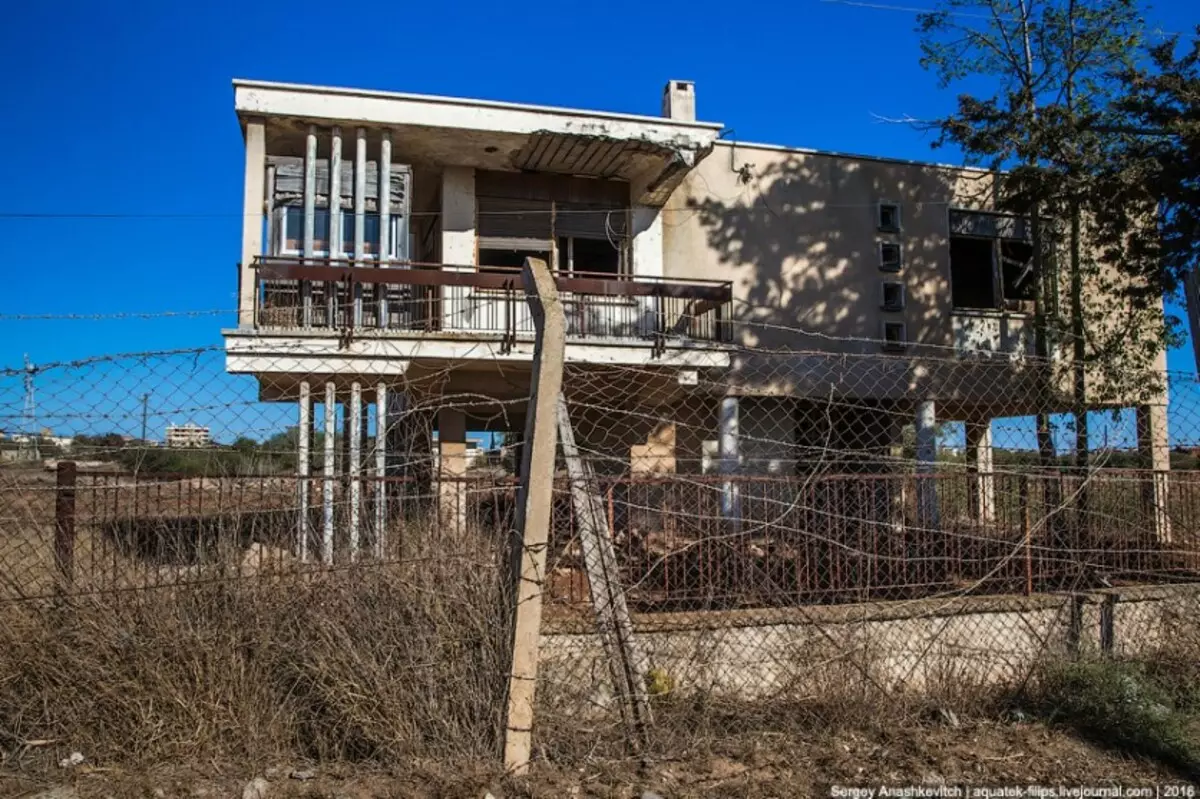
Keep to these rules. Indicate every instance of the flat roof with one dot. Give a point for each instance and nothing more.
(434, 99)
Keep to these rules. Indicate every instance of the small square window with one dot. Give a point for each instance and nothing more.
(891, 296)
(889, 217)
(889, 256)
(895, 337)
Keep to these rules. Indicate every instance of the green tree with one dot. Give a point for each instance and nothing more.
(1044, 113)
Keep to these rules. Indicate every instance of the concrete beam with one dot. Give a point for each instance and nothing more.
(452, 468)
(1154, 446)
(253, 195)
(310, 218)
(928, 516)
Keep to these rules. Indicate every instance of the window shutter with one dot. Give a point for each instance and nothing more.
(513, 218)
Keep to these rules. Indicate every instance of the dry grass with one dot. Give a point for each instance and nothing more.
(378, 663)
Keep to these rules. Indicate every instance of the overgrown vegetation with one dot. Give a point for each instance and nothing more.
(378, 664)
(1145, 708)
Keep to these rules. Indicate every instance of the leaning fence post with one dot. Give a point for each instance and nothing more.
(64, 525)
(534, 498)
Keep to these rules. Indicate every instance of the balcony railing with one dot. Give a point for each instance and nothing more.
(338, 295)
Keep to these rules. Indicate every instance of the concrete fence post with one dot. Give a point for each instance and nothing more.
(534, 500)
(64, 525)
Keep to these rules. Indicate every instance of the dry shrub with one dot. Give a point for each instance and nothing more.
(378, 662)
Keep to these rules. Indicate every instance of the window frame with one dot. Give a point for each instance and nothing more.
(897, 345)
(883, 265)
(883, 292)
(898, 223)
(395, 221)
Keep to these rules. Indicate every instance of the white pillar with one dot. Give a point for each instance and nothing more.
(328, 473)
(380, 470)
(1155, 449)
(728, 447)
(354, 410)
(383, 193)
(252, 211)
(310, 218)
(980, 465)
(926, 439)
(303, 461)
(360, 213)
(458, 240)
(647, 253)
(452, 468)
(335, 223)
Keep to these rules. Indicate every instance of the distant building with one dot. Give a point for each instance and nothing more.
(187, 435)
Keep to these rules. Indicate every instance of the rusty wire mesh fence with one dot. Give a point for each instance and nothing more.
(785, 526)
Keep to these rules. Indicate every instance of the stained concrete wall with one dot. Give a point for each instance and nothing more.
(917, 646)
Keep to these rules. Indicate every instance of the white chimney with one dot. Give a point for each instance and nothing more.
(679, 100)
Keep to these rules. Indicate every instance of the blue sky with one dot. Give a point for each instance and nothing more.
(126, 109)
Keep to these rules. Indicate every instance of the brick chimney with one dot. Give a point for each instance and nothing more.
(679, 100)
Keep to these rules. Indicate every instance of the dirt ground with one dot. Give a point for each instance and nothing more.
(970, 753)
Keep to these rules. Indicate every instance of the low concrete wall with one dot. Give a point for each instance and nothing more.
(918, 646)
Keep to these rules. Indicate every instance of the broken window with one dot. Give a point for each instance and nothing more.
(895, 336)
(588, 256)
(889, 217)
(972, 273)
(1016, 271)
(498, 258)
(291, 220)
(892, 298)
(889, 256)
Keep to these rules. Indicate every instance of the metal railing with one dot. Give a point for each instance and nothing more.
(341, 295)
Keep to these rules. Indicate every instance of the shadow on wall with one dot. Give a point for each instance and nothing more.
(813, 261)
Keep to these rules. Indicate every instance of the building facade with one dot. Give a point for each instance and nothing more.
(743, 284)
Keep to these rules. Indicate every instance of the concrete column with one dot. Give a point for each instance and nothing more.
(360, 214)
(354, 413)
(303, 462)
(252, 211)
(1155, 450)
(979, 464)
(926, 435)
(384, 195)
(452, 467)
(332, 298)
(647, 254)
(381, 406)
(310, 220)
(458, 240)
(328, 473)
(728, 446)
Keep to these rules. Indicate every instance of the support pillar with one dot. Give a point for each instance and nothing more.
(303, 463)
(452, 467)
(310, 221)
(981, 468)
(458, 240)
(252, 211)
(333, 289)
(728, 446)
(383, 192)
(360, 216)
(354, 415)
(1155, 451)
(928, 516)
(381, 406)
(647, 252)
(328, 474)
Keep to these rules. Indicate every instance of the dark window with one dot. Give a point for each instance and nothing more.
(1016, 269)
(889, 217)
(889, 257)
(894, 336)
(893, 296)
(506, 260)
(588, 256)
(972, 273)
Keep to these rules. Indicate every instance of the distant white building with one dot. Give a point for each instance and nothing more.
(187, 435)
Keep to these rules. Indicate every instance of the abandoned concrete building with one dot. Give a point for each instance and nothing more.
(708, 284)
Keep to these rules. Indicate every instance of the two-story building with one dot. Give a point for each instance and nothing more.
(744, 285)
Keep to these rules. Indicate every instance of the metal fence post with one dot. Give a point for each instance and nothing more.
(64, 525)
(534, 503)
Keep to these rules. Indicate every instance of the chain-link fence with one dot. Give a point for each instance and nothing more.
(785, 526)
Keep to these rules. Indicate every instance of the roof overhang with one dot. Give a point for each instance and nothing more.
(652, 154)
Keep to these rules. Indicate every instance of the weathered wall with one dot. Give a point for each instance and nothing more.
(945, 644)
